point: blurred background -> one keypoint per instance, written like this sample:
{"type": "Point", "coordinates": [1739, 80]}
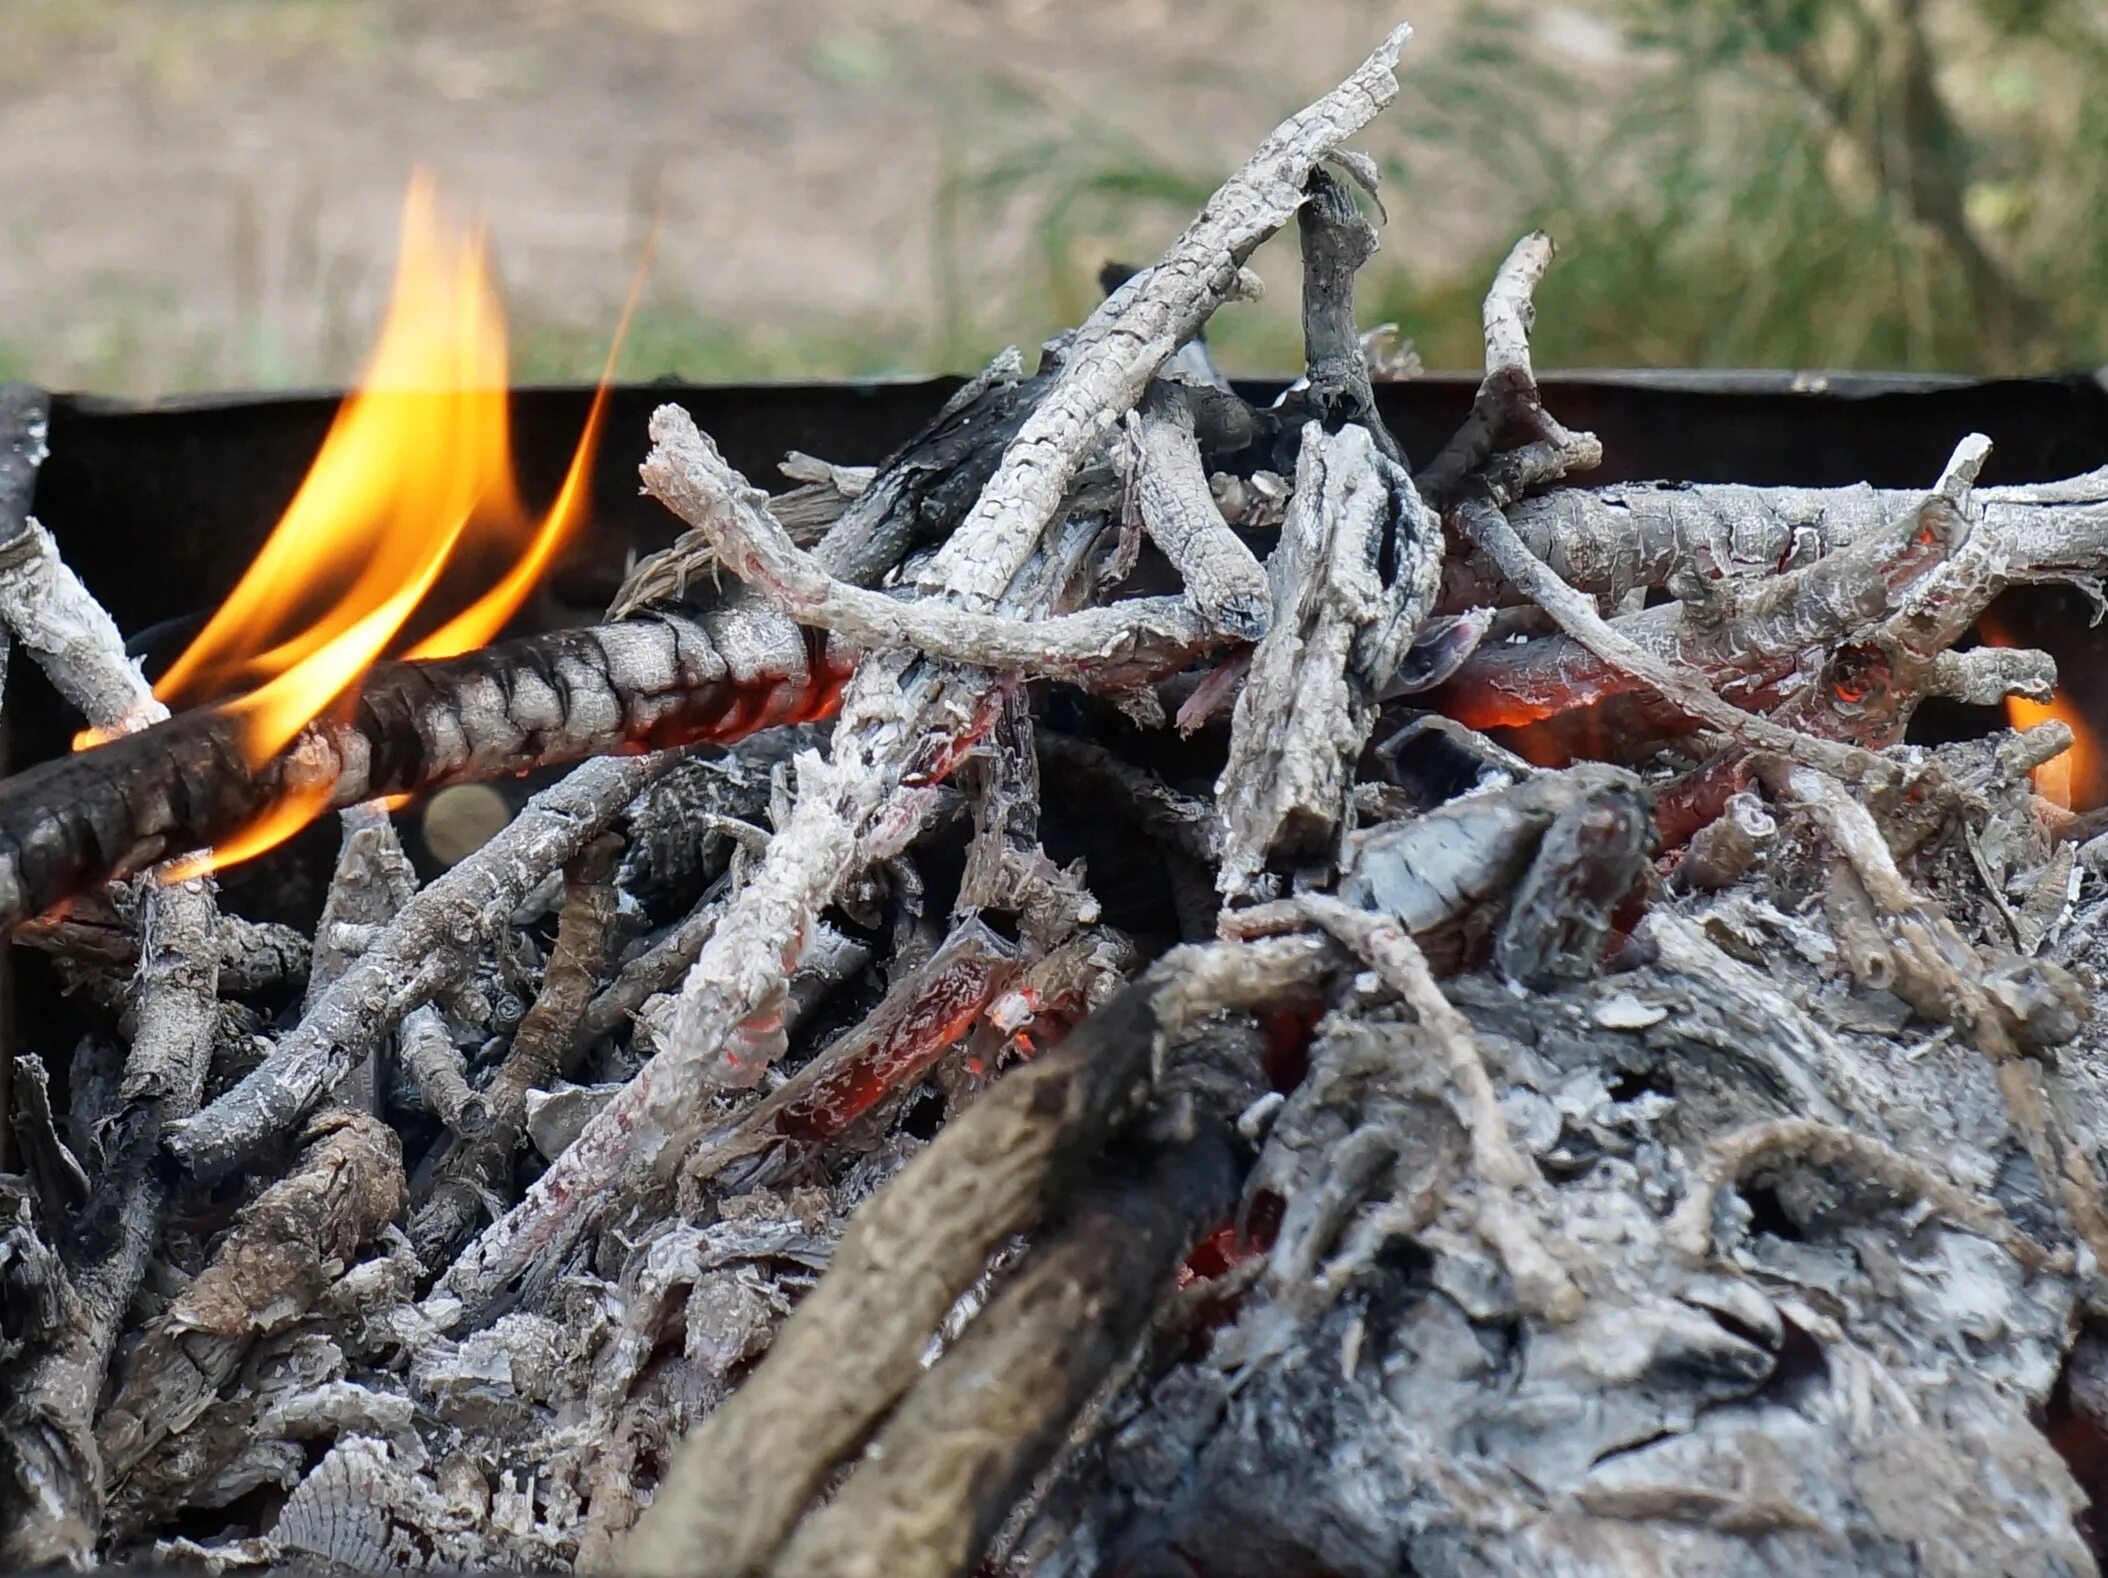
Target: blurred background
{"type": "Point", "coordinates": [203, 194]}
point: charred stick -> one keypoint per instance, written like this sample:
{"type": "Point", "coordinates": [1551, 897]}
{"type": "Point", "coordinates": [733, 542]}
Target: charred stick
{"type": "Point", "coordinates": [373, 881]}
{"type": "Point", "coordinates": [639, 685]}
{"type": "Point", "coordinates": [1113, 647]}
{"type": "Point", "coordinates": [254, 956]}
{"type": "Point", "coordinates": [924, 1014]}
{"type": "Point", "coordinates": [48, 1463]}
{"type": "Point", "coordinates": [659, 968]}
{"type": "Point", "coordinates": [855, 1343]}
{"type": "Point", "coordinates": [1750, 640]}
{"type": "Point", "coordinates": [1384, 943]}
{"type": "Point", "coordinates": [1178, 509]}
{"type": "Point", "coordinates": [1185, 823]}
{"type": "Point", "coordinates": [435, 1064]}
{"type": "Point", "coordinates": [1476, 483]}
{"type": "Point", "coordinates": [973, 1433]}
{"type": "Point", "coordinates": [1110, 360]}
{"type": "Point", "coordinates": [428, 947]}
{"type": "Point", "coordinates": [915, 497]}
{"type": "Point", "coordinates": [680, 833]}
{"type": "Point", "coordinates": [74, 640]}
{"type": "Point", "coordinates": [25, 416]}
{"type": "Point", "coordinates": [480, 1169]}
{"type": "Point", "coordinates": [1336, 240]}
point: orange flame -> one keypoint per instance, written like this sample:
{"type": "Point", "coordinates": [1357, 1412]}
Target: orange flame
{"type": "Point", "coordinates": [2074, 779]}
{"type": "Point", "coordinates": [418, 458]}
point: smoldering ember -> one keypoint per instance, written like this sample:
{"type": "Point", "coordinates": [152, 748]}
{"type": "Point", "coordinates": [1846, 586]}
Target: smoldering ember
{"type": "Point", "coordinates": [1377, 1153]}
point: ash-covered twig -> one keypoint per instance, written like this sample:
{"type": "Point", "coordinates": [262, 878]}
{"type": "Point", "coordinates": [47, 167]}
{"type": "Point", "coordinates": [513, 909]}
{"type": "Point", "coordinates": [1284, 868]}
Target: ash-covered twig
{"type": "Point", "coordinates": [289, 1244]}
{"type": "Point", "coordinates": [1542, 1285]}
{"type": "Point", "coordinates": [1612, 541]}
{"type": "Point", "coordinates": [1111, 647]}
{"type": "Point", "coordinates": [1508, 413]}
{"type": "Point", "coordinates": [58, 1479]}
{"type": "Point", "coordinates": [481, 1168]}
{"type": "Point", "coordinates": [1807, 1143]}
{"type": "Point", "coordinates": [372, 883]}
{"type": "Point", "coordinates": [1178, 509]}
{"type": "Point", "coordinates": [856, 1343]}
{"type": "Point", "coordinates": [1900, 941]}
{"type": "Point", "coordinates": [1686, 691]}
{"type": "Point", "coordinates": [1354, 575]}
{"type": "Point", "coordinates": [429, 1055]}
{"type": "Point", "coordinates": [1756, 638]}
{"type": "Point", "coordinates": [428, 947]}
{"type": "Point", "coordinates": [916, 496]}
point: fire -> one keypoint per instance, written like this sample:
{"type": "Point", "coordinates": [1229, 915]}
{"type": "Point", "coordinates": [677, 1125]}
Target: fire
{"type": "Point", "coordinates": [2076, 780]}
{"type": "Point", "coordinates": [417, 462]}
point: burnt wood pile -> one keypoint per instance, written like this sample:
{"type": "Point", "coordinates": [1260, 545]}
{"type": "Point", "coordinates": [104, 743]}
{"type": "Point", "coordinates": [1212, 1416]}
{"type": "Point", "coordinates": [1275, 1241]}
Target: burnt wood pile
{"type": "Point", "coordinates": [1053, 1032]}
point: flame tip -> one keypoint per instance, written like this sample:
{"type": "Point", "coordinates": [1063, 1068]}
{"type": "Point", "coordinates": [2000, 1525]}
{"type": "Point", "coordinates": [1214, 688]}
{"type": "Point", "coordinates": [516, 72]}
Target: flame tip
{"type": "Point", "coordinates": [418, 456]}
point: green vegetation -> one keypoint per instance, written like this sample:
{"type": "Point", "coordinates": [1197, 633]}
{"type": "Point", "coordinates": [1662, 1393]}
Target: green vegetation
{"type": "Point", "coordinates": [1911, 184]}
{"type": "Point", "coordinates": [1876, 183]}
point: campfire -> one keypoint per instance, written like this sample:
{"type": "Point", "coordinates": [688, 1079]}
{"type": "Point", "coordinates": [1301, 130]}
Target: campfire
{"type": "Point", "coordinates": [1153, 985]}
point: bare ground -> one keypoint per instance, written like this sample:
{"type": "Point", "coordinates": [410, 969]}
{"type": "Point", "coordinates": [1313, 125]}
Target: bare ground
{"type": "Point", "coordinates": [203, 195]}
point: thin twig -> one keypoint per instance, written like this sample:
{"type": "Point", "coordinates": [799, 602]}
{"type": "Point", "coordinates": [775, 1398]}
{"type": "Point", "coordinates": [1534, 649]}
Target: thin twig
{"type": "Point", "coordinates": [1111, 647]}
{"type": "Point", "coordinates": [428, 947]}
{"type": "Point", "coordinates": [1808, 1143]}
{"type": "Point", "coordinates": [479, 1169]}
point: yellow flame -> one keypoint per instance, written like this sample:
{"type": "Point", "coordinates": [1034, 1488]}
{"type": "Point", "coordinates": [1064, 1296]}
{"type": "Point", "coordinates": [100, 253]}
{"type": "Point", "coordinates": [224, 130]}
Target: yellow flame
{"type": "Point", "coordinates": [2071, 779]}
{"type": "Point", "coordinates": [419, 455]}
{"type": "Point", "coordinates": [484, 618]}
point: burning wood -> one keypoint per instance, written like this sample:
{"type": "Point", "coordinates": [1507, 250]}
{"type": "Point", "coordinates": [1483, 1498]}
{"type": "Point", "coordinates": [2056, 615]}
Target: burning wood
{"type": "Point", "coordinates": [997, 1130]}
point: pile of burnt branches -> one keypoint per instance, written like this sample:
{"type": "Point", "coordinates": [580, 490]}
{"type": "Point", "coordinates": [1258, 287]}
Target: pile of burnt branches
{"type": "Point", "coordinates": [1046, 1036]}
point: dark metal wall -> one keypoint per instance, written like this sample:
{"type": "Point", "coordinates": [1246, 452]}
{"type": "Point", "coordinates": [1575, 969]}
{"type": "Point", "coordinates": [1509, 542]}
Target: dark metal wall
{"type": "Point", "coordinates": [160, 506]}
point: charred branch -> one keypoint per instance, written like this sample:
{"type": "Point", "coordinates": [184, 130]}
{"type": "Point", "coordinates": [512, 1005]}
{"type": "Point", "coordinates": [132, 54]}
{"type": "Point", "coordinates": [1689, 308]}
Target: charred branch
{"type": "Point", "coordinates": [1336, 240]}
{"type": "Point", "coordinates": [71, 824]}
{"type": "Point", "coordinates": [59, 1487]}
{"type": "Point", "coordinates": [1353, 578]}
{"type": "Point", "coordinates": [1109, 362]}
